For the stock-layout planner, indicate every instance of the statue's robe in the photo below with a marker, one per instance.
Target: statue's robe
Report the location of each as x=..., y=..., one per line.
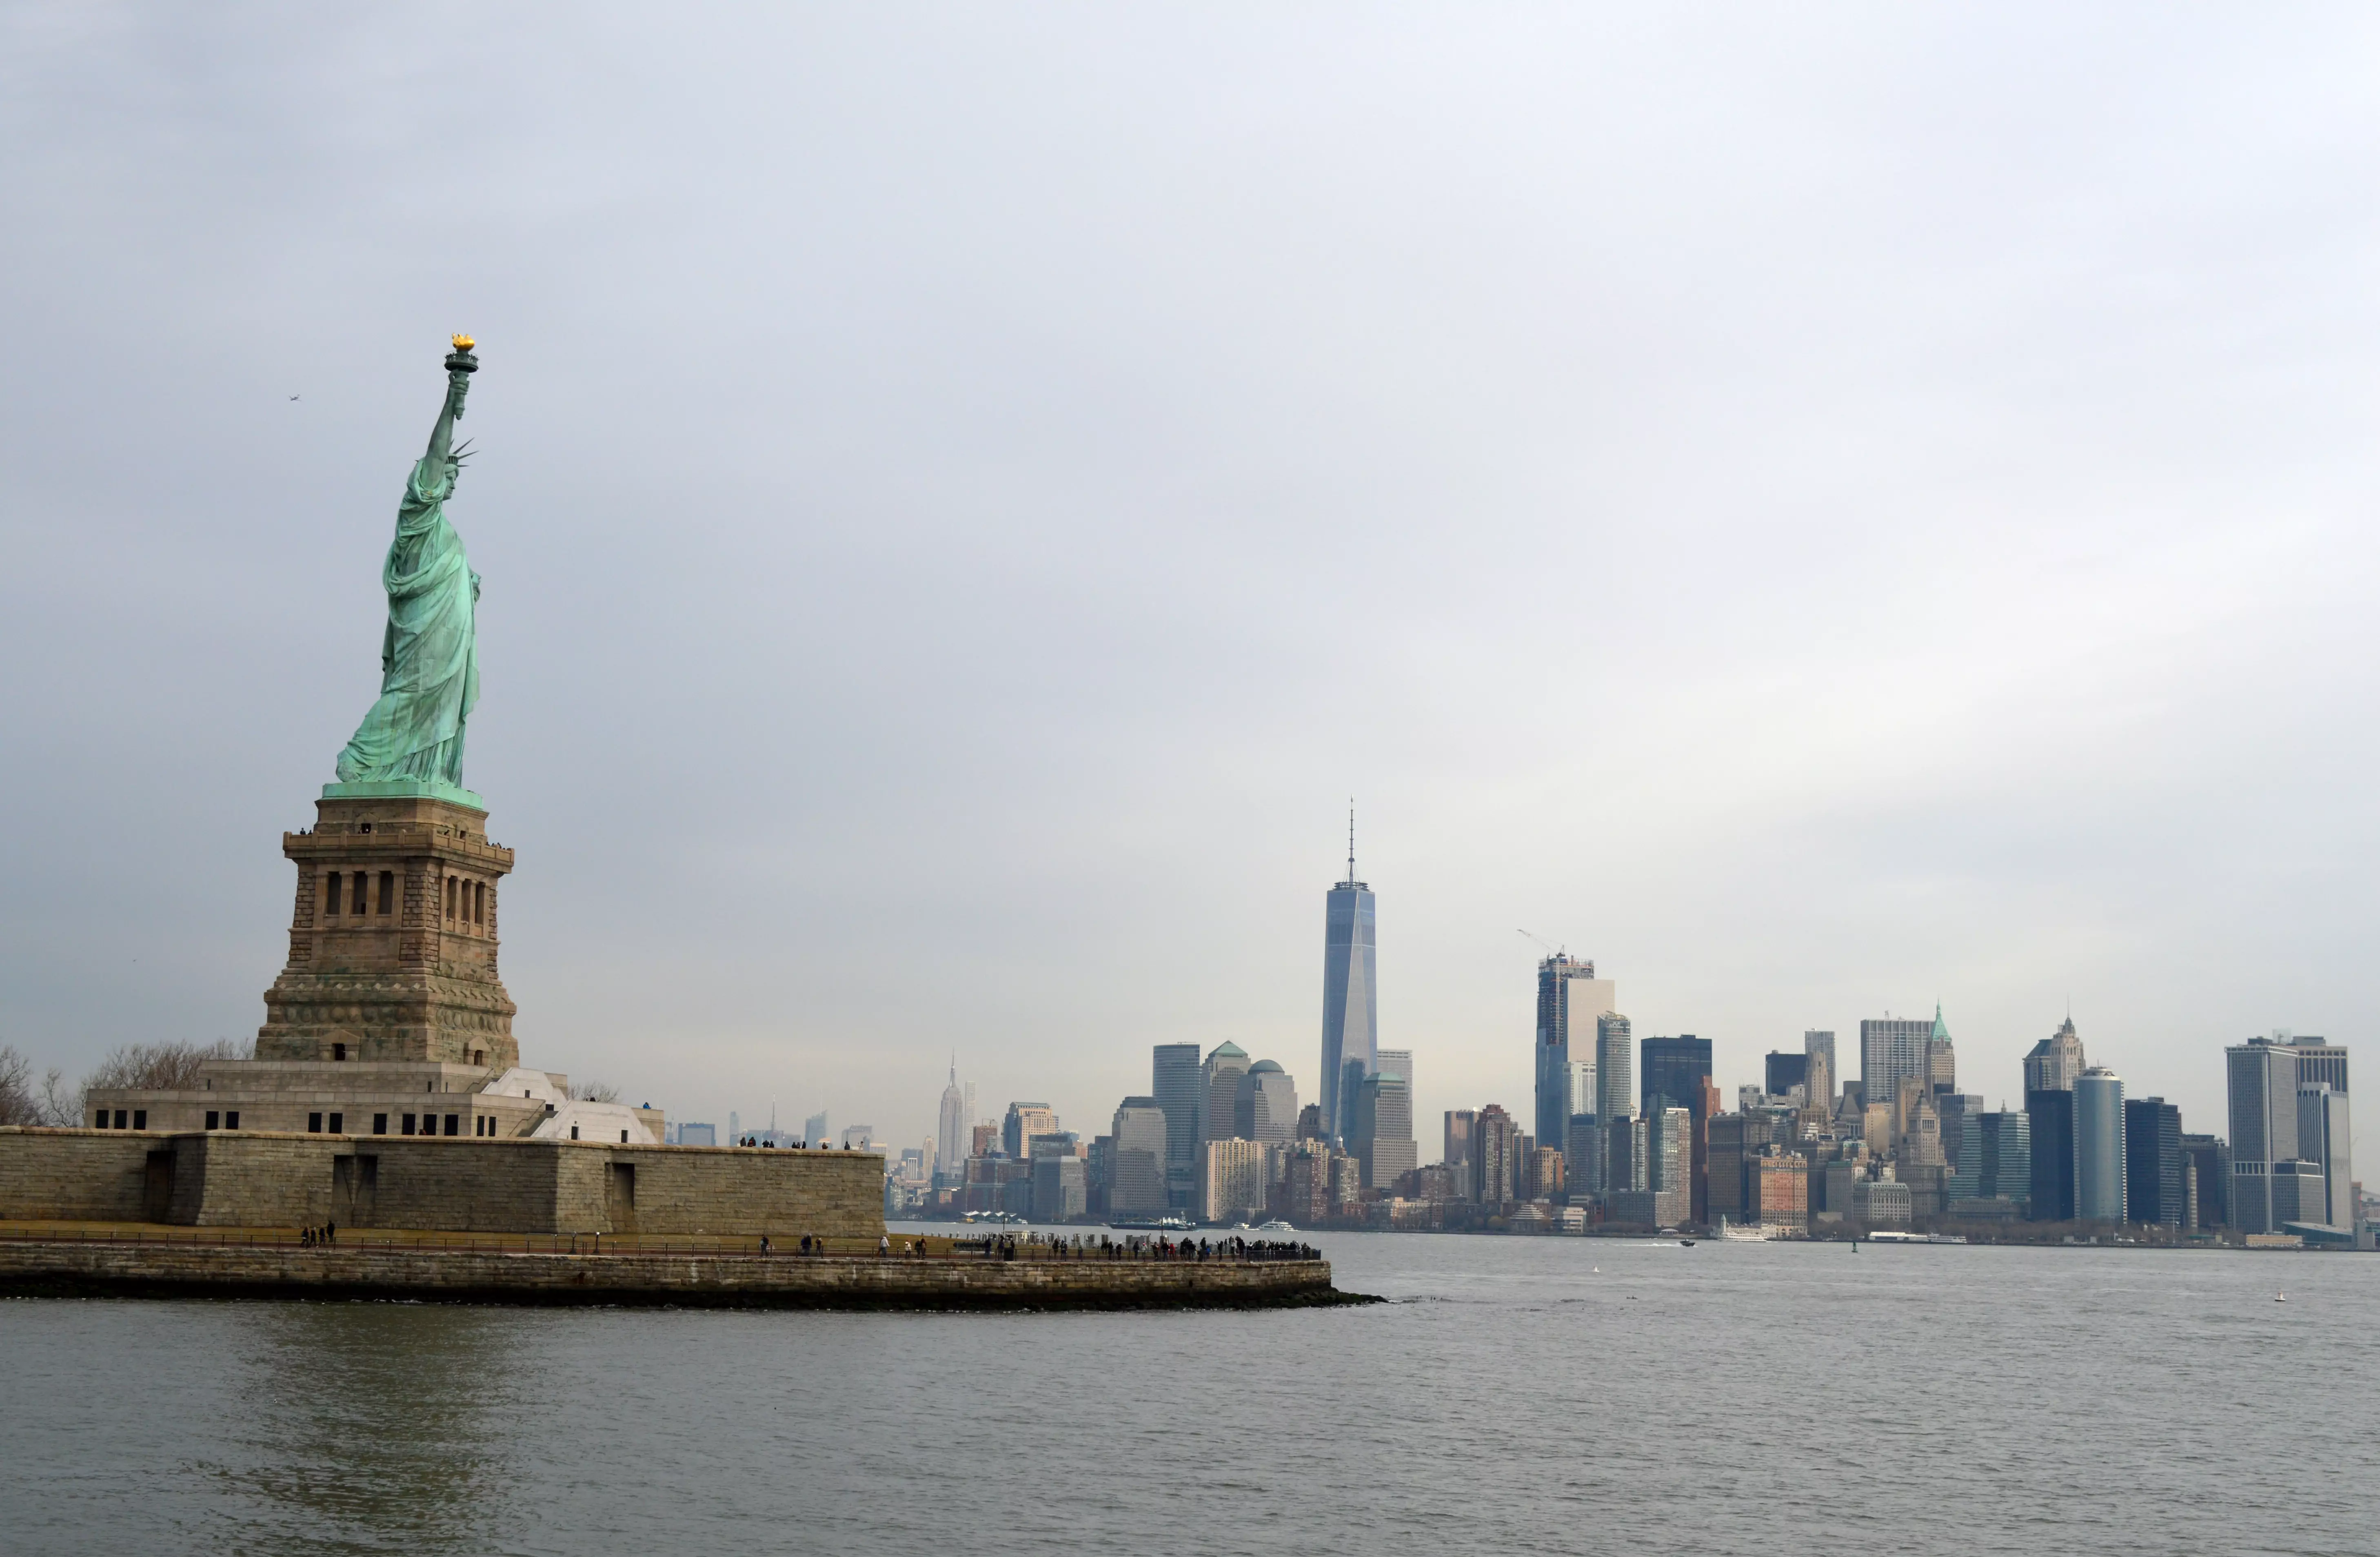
x=429, y=657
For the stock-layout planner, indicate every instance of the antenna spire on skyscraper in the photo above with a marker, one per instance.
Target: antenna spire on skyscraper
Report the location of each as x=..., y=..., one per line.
x=1351, y=837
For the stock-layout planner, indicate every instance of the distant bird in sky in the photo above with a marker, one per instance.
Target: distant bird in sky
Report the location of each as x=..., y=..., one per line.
x=293, y=397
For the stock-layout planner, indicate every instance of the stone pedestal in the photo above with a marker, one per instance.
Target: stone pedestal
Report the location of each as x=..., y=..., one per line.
x=393, y=946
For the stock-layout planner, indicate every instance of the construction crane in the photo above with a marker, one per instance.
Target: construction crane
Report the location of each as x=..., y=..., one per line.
x=1551, y=949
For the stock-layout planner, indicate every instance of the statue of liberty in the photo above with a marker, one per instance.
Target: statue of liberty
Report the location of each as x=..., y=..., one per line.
x=412, y=740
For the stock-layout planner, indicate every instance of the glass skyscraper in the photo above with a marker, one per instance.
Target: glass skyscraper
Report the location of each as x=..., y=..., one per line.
x=1350, y=1016
x=2153, y=1162
x=2099, y=1145
x=1674, y=1071
x=1180, y=1091
x=1615, y=1092
x=2051, y=1123
x=1995, y=1160
x=1570, y=997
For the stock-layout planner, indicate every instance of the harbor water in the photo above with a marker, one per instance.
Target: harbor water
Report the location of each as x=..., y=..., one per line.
x=1516, y=1396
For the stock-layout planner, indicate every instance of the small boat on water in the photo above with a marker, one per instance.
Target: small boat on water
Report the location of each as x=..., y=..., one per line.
x=2280, y=1297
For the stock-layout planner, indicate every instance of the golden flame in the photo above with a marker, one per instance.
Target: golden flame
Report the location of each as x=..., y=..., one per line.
x=462, y=343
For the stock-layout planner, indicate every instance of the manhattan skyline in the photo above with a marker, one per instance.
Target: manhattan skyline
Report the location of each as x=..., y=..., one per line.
x=1811, y=583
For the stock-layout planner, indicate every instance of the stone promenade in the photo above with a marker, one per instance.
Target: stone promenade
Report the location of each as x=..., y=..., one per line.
x=55, y=1266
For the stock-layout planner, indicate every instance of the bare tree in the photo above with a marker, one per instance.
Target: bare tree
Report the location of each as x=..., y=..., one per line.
x=17, y=1102
x=21, y=1104
x=60, y=1104
x=161, y=1067
x=596, y=1091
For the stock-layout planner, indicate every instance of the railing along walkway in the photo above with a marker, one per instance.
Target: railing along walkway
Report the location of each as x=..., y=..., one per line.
x=774, y=1246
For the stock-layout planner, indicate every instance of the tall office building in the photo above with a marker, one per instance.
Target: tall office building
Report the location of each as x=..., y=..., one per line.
x=1399, y=1060
x=1219, y=1092
x=2209, y=1160
x=2321, y=1134
x=2323, y=1142
x=951, y=1130
x=1496, y=1157
x=1175, y=1080
x=2049, y=1114
x=1266, y=1109
x=1675, y=1069
x=2155, y=1167
x=1671, y=1162
x=1941, y=1061
x=1381, y=1132
x=1351, y=1017
x=1892, y=1050
x=1920, y=1136
x=1995, y=1160
x=1061, y=1187
x=1628, y=1147
x=1139, y=1139
x=2056, y=1062
x=1231, y=1180
x=2319, y=1061
x=1784, y=1072
x=2099, y=1145
x=1570, y=997
x=1461, y=1125
x=1818, y=1049
x=1660, y=1151
x=1584, y=1158
x=1024, y=1121
x=1735, y=1141
x=2262, y=1078
x=1615, y=1097
x=1956, y=1108
x=814, y=1128
x=1677, y=1074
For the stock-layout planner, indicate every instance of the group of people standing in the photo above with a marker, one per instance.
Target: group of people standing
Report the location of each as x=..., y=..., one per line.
x=1060, y=1247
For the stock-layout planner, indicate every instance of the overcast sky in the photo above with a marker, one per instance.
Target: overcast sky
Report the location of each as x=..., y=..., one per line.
x=1822, y=510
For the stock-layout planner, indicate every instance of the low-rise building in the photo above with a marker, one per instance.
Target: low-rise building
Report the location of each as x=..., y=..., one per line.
x=1880, y=1203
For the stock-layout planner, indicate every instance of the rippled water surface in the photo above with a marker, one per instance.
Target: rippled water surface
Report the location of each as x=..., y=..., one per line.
x=1522, y=1395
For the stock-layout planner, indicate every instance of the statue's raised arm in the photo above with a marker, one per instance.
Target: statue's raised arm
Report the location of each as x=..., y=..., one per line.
x=412, y=740
x=433, y=479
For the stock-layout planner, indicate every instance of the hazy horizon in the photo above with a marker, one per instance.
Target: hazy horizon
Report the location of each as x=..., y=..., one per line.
x=1821, y=511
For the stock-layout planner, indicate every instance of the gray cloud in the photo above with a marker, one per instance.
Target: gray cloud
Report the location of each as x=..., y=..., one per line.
x=1822, y=512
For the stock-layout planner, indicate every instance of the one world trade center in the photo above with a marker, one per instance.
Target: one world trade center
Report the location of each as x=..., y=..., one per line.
x=1351, y=1017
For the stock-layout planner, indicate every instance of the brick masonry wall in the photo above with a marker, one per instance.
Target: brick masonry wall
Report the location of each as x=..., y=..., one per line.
x=258, y=1179
x=687, y=1280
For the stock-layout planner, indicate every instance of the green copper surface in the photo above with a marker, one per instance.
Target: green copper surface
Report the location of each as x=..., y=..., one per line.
x=429, y=656
x=404, y=788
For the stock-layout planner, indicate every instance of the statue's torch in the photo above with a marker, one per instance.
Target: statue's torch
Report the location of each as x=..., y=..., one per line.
x=460, y=365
